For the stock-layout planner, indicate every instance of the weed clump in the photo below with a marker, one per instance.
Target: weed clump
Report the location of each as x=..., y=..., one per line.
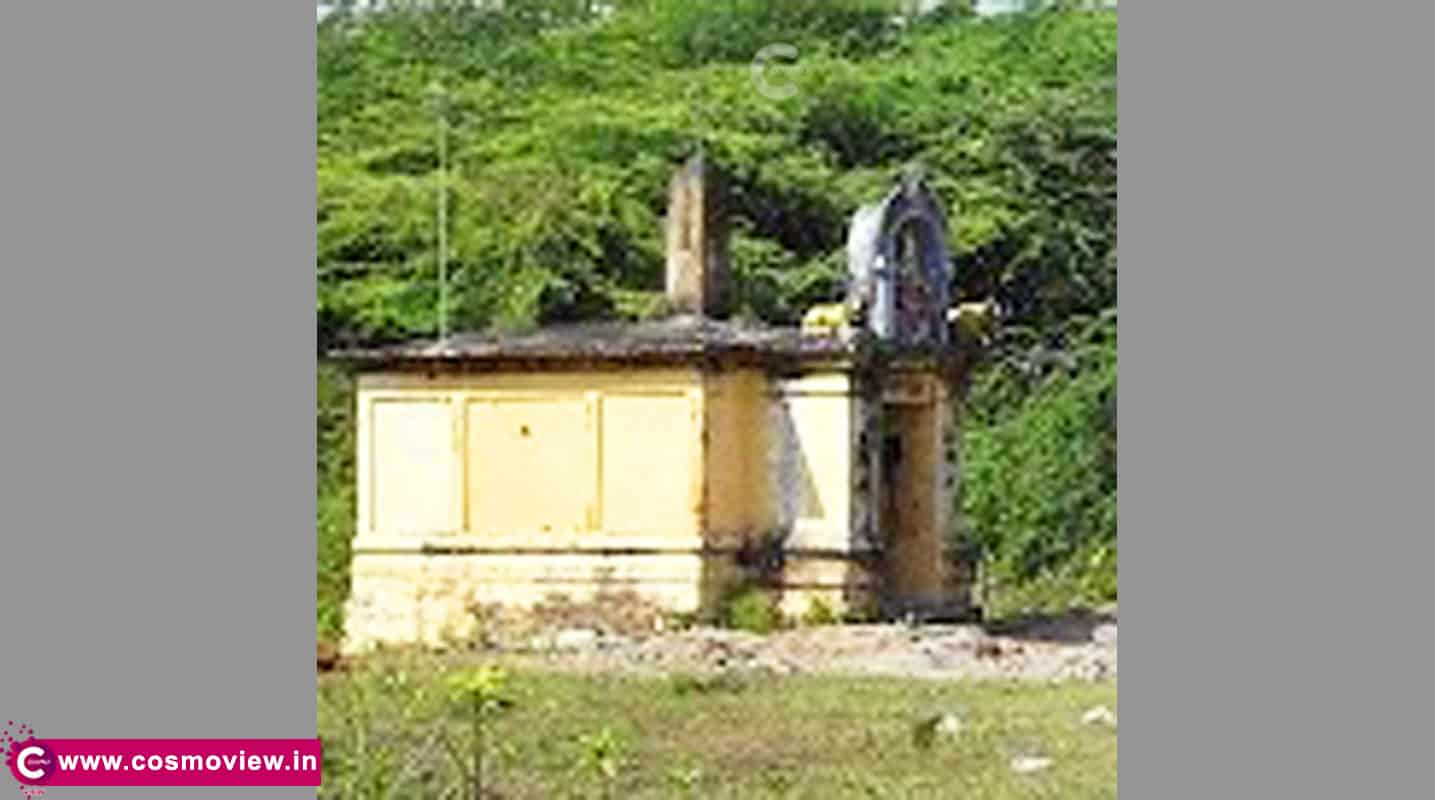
x=820, y=612
x=751, y=610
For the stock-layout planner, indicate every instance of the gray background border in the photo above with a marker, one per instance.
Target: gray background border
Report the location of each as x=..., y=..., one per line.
x=157, y=193
x=1273, y=201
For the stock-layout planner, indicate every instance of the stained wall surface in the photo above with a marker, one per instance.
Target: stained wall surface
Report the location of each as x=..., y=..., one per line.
x=514, y=488
x=676, y=485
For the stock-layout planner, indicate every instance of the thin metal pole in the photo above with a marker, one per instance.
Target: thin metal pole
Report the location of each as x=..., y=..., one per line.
x=442, y=218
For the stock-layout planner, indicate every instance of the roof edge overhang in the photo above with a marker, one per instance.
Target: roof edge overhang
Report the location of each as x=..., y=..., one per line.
x=833, y=357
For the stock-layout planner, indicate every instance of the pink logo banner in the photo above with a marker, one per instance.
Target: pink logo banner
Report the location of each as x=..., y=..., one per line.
x=165, y=762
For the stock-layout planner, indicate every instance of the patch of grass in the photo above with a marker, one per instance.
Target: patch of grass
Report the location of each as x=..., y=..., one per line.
x=792, y=736
x=687, y=684
x=1087, y=581
x=751, y=610
x=820, y=612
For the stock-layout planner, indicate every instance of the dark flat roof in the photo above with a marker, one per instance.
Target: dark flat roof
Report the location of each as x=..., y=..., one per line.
x=675, y=340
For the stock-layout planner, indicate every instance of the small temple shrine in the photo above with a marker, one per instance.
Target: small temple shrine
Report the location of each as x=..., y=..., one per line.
x=677, y=460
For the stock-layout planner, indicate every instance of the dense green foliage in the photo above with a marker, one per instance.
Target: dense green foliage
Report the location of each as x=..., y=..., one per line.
x=1039, y=455
x=563, y=126
x=336, y=495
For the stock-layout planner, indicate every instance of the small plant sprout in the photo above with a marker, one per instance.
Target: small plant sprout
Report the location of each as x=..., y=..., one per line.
x=602, y=755
x=482, y=695
x=685, y=779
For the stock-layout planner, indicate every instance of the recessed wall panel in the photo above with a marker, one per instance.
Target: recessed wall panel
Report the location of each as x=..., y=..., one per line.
x=648, y=459
x=413, y=465
x=530, y=465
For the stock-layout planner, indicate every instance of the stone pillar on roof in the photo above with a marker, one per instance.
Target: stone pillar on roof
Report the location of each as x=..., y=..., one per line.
x=697, y=241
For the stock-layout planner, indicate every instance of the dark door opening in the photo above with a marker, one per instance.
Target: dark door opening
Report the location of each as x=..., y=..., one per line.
x=912, y=568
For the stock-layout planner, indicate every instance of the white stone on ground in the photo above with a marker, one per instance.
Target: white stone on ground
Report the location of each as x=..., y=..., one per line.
x=1029, y=764
x=1100, y=715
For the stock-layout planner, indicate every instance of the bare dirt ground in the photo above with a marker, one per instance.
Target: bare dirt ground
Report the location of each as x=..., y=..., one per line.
x=1077, y=646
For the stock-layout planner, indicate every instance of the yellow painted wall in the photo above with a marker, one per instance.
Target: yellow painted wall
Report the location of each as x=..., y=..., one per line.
x=523, y=485
x=410, y=440
x=810, y=424
x=739, y=499
x=780, y=457
x=651, y=468
x=546, y=459
x=635, y=455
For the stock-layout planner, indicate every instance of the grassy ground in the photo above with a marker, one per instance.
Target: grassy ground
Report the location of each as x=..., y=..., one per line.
x=391, y=728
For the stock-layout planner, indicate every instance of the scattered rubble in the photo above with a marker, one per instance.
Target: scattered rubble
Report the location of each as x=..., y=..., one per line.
x=928, y=651
x=575, y=639
x=1105, y=634
x=1046, y=649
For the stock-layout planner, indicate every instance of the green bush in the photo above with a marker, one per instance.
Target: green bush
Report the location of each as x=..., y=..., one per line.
x=562, y=132
x=693, y=34
x=1039, y=456
x=336, y=495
